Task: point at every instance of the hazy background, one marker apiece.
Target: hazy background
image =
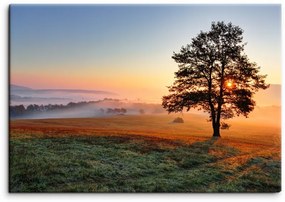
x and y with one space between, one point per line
268 109
127 49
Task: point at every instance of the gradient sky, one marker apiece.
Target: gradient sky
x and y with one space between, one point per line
127 49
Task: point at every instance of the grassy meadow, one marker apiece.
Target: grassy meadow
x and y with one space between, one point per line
143 153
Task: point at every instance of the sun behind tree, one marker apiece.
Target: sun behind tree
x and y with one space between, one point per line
229 84
215 75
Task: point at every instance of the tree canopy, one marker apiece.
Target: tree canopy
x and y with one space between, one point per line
215 75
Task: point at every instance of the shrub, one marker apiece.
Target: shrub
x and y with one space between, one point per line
225 126
178 120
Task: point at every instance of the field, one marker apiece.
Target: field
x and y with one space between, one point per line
143 153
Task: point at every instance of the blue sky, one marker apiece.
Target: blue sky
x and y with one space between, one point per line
127 48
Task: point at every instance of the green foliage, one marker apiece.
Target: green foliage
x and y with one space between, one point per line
132 164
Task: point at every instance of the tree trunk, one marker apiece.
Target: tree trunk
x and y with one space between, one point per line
216 129
220 103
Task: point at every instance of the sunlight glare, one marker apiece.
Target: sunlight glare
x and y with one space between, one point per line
229 84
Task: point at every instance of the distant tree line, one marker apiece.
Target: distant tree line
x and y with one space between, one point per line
16 111
21 110
113 111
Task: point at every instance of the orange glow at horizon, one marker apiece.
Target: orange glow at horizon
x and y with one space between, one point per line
142 87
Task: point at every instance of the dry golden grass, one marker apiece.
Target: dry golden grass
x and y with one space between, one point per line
247 135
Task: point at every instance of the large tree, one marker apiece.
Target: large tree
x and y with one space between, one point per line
215 75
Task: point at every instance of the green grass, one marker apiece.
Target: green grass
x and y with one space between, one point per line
133 164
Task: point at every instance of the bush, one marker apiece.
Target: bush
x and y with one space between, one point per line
178 120
225 126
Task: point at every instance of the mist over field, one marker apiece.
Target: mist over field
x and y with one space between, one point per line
269 97
101 108
96 103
